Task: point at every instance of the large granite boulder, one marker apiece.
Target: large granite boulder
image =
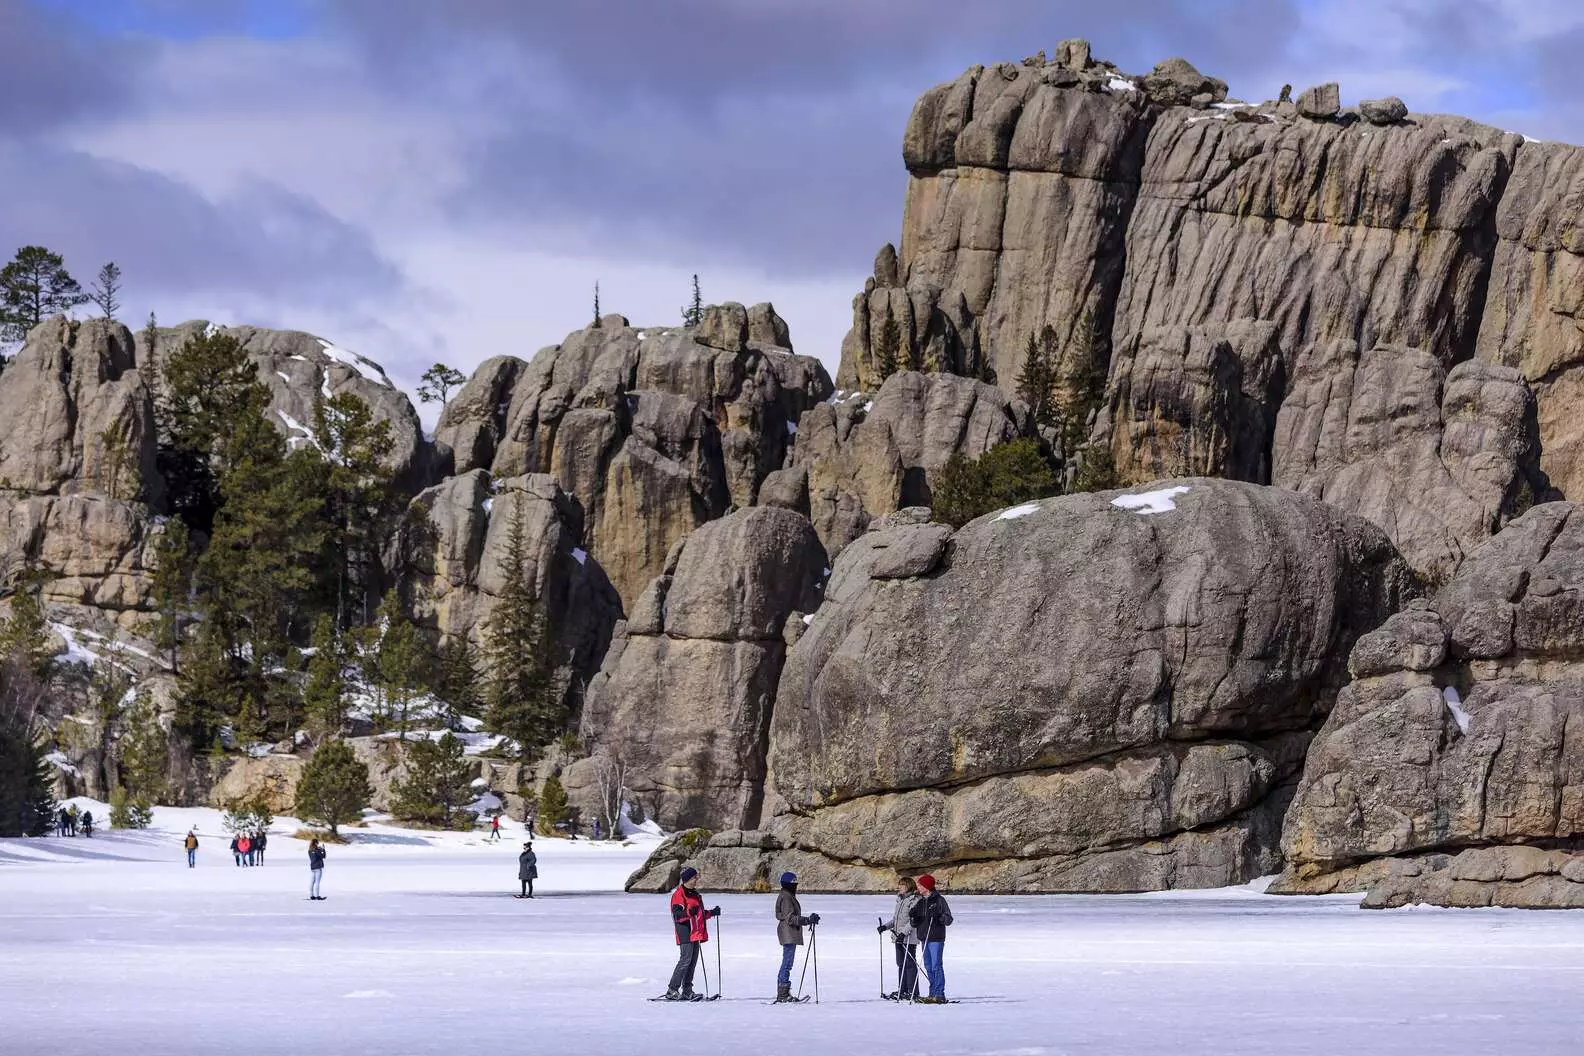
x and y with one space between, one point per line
684 698
1457 735
1097 692
653 431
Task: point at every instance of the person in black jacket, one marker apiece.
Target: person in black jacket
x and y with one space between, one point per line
527 870
316 857
259 843
930 918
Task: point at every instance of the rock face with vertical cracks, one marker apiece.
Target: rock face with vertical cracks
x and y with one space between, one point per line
1275 293
653 431
1073 695
1452 769
684 698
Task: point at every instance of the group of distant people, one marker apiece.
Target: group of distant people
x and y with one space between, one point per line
69 820
248 847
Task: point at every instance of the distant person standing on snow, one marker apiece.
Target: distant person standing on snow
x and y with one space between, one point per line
690 920
236 849
71 820
259 843
494 836
191 843
527 870
316 857
245 845
906 939
930 918
60 822
790 923
87 823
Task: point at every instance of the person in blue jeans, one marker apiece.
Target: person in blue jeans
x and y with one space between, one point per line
930 917
790 923
316 860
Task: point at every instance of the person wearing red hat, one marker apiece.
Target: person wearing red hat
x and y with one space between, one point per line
930 918
691 921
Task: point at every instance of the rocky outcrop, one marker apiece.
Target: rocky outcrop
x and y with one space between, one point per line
77 470
653 431
455 568
299 369
860 457
1096 692
1452 769
684 699
1229 264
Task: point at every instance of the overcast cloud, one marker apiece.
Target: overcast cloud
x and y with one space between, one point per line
427 181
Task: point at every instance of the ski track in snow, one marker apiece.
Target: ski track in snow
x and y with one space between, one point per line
114 946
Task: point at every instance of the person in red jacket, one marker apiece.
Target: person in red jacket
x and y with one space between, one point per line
691 922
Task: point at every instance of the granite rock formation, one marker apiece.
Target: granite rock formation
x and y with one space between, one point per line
685 696
653 431
1452 768
1078 694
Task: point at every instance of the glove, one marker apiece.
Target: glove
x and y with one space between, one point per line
881 928
715 912
813 919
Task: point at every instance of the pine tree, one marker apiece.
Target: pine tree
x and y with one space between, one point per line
25 632
27 804
150 341
888 346
334 787
145 754
437 785
693 314
1006 475
324 691
400 668
173 574
363 503
457 679
1035 380
33 287
209 388
437 383
128 811
596 324
106 290
553 808
523 702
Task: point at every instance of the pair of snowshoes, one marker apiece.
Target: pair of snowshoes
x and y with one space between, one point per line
688 995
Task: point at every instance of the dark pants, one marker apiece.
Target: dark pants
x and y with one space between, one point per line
687 963
907 970
788 956
527 888
260 855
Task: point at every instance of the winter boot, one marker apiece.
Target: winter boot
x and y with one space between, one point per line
783 993
674 995
688 995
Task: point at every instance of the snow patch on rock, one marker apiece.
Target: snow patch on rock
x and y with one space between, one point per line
1161 501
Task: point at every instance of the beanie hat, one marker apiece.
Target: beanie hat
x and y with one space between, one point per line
788 878
689 873
927 882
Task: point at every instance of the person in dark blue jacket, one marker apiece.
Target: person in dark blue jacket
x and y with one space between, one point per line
316 859
930 918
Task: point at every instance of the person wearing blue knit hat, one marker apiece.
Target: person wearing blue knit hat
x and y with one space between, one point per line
790 923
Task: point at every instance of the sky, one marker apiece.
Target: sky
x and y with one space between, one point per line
427 181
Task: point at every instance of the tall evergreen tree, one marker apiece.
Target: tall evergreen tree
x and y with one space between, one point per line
209 389
325 689
693 314
33 287
596 324
24 634
334 787
437 383
106 290
173 576
888 345
438 783
457 679
145 754
523 701
363 503
1036 379
27 805
400 663
553 809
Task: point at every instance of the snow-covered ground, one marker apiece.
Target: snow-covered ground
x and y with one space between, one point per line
115 947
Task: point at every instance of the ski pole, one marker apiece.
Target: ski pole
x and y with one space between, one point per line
704 964
720 974
804 973
814 949
918 972
882 959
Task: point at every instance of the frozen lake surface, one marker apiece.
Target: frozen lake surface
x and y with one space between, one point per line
115 947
